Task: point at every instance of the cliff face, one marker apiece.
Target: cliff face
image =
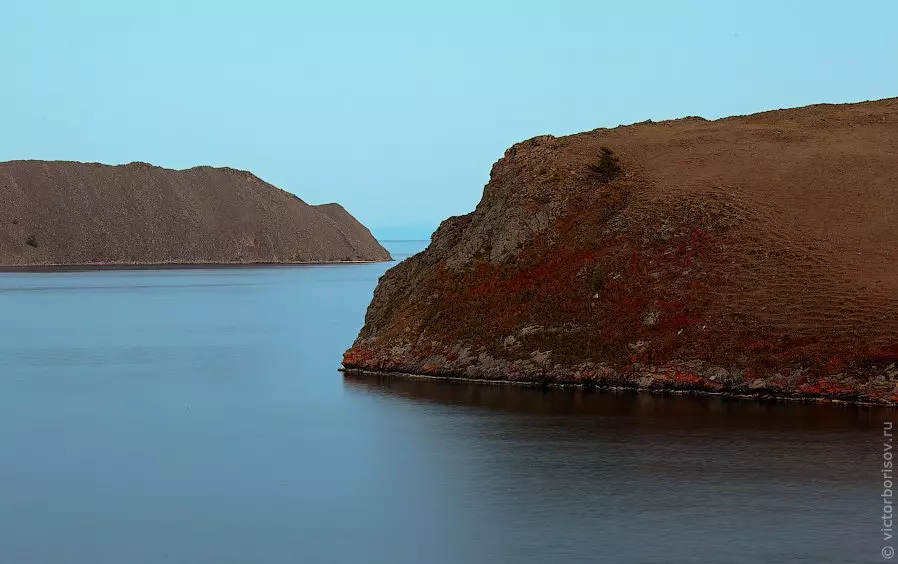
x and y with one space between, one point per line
753 255
71 213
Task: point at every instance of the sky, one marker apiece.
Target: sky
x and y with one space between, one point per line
397 110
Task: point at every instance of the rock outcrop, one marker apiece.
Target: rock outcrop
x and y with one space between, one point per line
753 255
68 213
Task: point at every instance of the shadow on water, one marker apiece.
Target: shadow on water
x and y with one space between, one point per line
714 479
632 408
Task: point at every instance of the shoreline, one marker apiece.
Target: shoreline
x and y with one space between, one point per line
86 267
797 397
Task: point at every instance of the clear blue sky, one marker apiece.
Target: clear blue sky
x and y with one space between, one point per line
398 109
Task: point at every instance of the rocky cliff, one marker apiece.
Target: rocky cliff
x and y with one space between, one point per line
748 255
68 213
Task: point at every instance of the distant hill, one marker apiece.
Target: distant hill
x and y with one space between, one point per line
70 213
751 255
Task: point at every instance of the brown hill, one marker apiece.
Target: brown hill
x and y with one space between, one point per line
68 213
751 255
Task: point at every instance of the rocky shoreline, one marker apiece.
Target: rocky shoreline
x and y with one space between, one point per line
41 267
655 383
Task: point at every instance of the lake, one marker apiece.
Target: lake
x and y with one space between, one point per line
197 416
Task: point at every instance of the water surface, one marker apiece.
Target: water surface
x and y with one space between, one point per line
196 416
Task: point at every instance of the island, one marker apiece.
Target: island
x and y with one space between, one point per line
58 213
752 255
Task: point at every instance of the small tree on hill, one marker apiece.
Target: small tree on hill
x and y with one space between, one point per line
608 168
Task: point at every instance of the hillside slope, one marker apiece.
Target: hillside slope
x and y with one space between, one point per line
68 213
751 255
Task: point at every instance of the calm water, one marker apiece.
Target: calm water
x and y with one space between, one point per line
196 416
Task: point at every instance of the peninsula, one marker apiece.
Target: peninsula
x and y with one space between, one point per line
753 255
56 213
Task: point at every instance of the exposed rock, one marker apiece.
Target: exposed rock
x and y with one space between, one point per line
748 255
68 213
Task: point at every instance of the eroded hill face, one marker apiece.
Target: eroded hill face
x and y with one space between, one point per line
753 254
67 213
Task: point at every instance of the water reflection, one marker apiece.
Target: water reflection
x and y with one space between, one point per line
604 477
643 409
